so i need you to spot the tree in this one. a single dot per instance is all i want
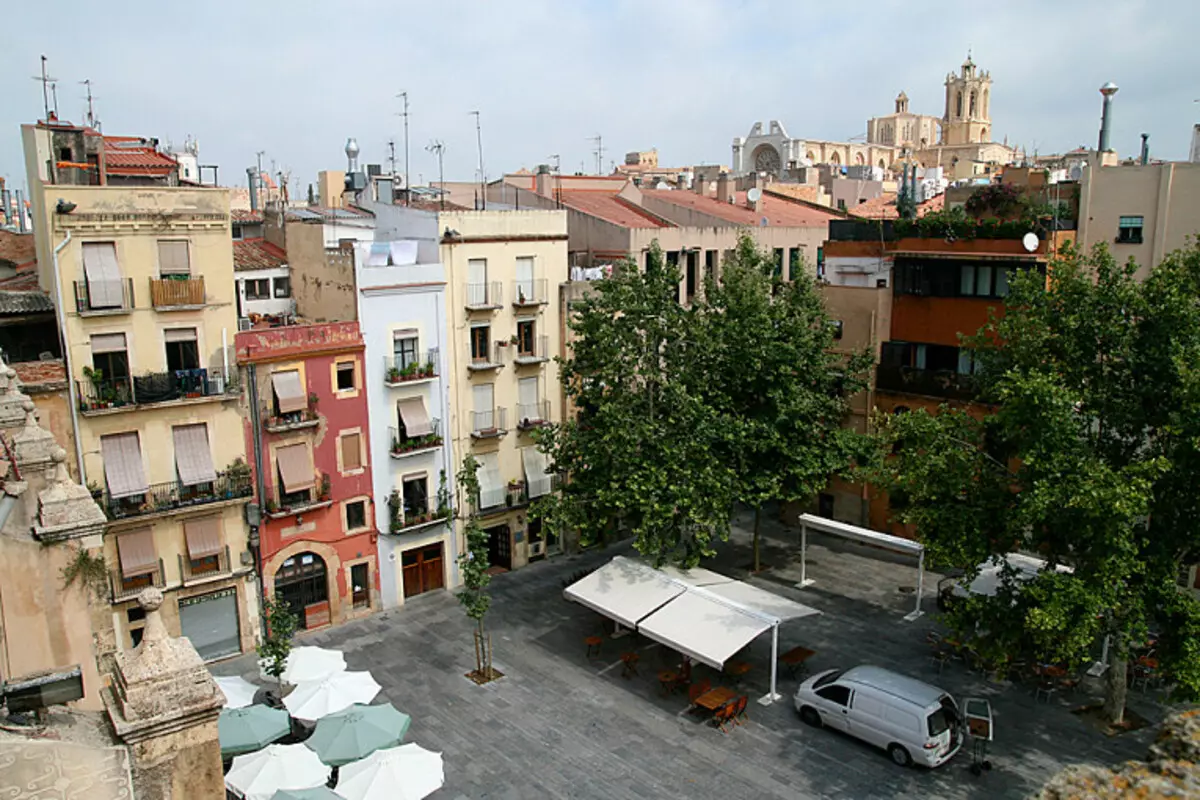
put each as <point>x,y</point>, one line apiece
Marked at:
<point>767,367</point>
<point>277,638</point>
<point>474,567</point>
<point>1088,458</point>
<point>640,455</point>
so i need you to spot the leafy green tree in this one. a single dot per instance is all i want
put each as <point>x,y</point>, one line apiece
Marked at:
<point>1088,458</point>
<point>766,366</point>
<point>640,455</point>
<point>277,638</point>
<point>474,567</point>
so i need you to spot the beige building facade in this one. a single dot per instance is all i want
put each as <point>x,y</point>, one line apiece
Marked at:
<point>142,277</point>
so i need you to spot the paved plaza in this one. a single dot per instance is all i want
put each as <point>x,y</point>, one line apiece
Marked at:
<point>561,725</point>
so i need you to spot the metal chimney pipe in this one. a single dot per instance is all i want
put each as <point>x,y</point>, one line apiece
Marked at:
<point>20,213</point>
<point>1145,149</point>
<point>252,178</point>
<point>1108,90</point>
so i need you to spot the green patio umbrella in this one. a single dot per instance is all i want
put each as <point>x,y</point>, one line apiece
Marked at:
<point>244,730</point>
<point>319,793</point>
<point>357,732</point>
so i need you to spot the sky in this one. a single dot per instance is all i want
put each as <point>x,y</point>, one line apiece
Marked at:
<point>684,76</point>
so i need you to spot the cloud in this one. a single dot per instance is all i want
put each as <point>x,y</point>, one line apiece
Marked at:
<point>685,76</point>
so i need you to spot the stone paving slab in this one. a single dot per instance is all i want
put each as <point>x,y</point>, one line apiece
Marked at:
<point>561,725</point>
<point>49,770</point>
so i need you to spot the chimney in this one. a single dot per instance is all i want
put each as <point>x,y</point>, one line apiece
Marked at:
<point>700,184</point>
<point>542,180</point>
<point>1108,90</point>
<point>252,179</point>
<point>20,213</point>
<point>351,156</point>
<point>681,182</point>
<point>1145,149</point>
<point>723,188</point>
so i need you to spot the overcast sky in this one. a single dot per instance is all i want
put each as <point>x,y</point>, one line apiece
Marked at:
<point>686,76</point>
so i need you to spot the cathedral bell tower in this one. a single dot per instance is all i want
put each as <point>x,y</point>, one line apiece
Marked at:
<point>968,117</point>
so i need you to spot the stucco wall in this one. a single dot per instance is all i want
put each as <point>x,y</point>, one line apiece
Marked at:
<point>322,281</point>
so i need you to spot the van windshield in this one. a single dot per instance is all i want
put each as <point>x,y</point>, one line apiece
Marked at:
<point>938,722</point>
<point>825,680</point>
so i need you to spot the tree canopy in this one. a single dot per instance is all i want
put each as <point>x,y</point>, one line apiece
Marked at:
<point>1087,456</point>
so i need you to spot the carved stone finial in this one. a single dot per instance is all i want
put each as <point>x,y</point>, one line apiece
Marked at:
<point>30,415</point>
<point>151,599</point>
<point>61,475</point>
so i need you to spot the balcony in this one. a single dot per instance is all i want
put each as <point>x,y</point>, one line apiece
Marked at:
<point>294,421</point>
<point>88,306</point>
<point>177,294</point>
<point>946,384</point>
<point>505,498</point>
<point>492,357</point>
<point>406,521</point>
<point>484,296</point>
<point>529,293</point>
<point>161,498</point>
<point>538,353</point>
<point>102,395</point>
<point>398,372</point>
<point>490,424</point>
<point>533,415</point>
<point>404,446</point>
<point>194,571</point>
<point>123,588</point>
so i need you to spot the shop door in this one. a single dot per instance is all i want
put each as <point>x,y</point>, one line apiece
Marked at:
<point>210,621</point>
<point>500,546</point>
<point>422,568</point>
<point>300,584</point>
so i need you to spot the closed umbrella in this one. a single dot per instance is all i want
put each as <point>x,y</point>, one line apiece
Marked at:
<point>407,772</point>
<point>238,691</point>
<point>244,730</point>
<point>312,664</point>
<point>312,700</point>
<point>319,793</point>
<point>258,776</point>
<point>357,732</point>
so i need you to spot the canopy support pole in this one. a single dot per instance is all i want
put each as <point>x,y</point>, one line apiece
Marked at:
<point>773,695</point>
<point>805,581</point>
<point>917,612</point>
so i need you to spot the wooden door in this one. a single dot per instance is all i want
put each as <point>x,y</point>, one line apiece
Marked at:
<point>422,570</point>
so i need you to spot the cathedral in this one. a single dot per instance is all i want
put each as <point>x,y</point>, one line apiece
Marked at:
<point>959,141</point>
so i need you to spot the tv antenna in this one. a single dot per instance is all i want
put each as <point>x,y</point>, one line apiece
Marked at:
<point>46,81</point>
<point>557,179</point>
<point>599,140</point>
<point>438,148</point>
<point>482,176</point>
<point>391,143</point>
<point>404,113</point>
<point>91,109</point>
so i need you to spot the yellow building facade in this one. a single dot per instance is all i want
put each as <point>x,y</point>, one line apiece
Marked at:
<point>141,273</point>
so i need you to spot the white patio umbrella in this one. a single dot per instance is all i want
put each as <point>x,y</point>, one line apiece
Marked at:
<point>238,691</point>
<point>312,664</point>
<point>407,772</point>
<point>257,776</point>
<point>311,700</point>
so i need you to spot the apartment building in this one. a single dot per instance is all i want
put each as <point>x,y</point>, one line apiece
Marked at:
<point>264,281</point>
<point>141,272</point>
<point>309,432</point>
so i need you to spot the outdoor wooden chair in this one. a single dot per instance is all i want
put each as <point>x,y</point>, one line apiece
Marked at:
<point>725,715</point>
<point>739,711</point>
<point>696,689</point>
<point>593,645</point>
<point>629,662</point>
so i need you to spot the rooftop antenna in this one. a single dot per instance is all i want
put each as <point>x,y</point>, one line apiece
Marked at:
<point>438,148</point>
<point>599,140</point>
<point>557,180</point>
<point>404,113</point>
<point>391,144</point>
<point>54,96</point>
<point>482,176</point>
<point>91,109</point>
<point>258,163</point>
<point>46,81</point>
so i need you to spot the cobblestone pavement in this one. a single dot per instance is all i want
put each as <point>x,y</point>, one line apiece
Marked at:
<point>561,725</point>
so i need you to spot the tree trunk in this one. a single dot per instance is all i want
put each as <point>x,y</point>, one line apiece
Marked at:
<point>1114,682</point>
<point>757,514</point>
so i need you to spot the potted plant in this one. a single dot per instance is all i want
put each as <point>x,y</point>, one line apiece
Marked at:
<point>323,493</point>
<point>272,506</point>
<point>429,373</point>
<point>393,374</point>
<point>312,401</point>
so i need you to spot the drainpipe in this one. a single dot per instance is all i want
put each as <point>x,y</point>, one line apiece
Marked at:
<point>72,395</point>
<point>259,489</point>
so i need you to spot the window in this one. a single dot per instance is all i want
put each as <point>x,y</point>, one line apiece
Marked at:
<point>690,277</point>
<point>966,285</point>
<point>1130,230</point>
<point>351,452</point>
<point>283,288</point>
<point>105,286</point>
<point>836,326</point>
<point>777,264</point>
<point>525,331</point>
<point>360,590</point>
<point>839,695</point>
<point>110,361</point>
<point>795,260</point>
<point>404,348</point>
<point>173,259</point>
<point>356,515</point>
<point>345,376</point>
<point>983,281</point>
<point>710,265</point>
<point>480,339</point>
<point>182,351</point>
<point>235,230</point>
<point>1003,274</point>
<point>258,288</point>
<point>841,204</point>
<point>416,496</point>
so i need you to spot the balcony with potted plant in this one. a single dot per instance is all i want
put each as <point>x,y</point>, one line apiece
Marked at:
<point>98,394</point>
<point>408,371</point>
<point>292,421</point>
<point>231,485</point>
<point>415,515</point>
<point>301,502</point>
<point>404,445</point>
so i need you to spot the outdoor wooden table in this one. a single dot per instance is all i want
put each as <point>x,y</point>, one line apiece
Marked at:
<point>715,698</point>
<point>737,669</point>
<point>668,680</point>
<point>794,659</point>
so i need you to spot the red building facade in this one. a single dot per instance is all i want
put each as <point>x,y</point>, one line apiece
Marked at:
<point>311,440</point>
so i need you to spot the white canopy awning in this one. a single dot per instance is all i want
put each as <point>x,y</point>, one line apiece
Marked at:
<point>696,576</point>
<point>625,590</point>
<point>754,598</point>
<point>703,627</point>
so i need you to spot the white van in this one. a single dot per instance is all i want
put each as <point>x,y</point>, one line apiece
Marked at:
<point>912,720</point>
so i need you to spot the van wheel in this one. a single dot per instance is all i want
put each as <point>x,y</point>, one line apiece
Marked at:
<point>810,716</point>
<point>899,755</point>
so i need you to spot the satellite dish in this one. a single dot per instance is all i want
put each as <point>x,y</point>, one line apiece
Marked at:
<point>754,195</point>
<point>661,185</point>
<point>1030,241</point>
<point>1076,172</point>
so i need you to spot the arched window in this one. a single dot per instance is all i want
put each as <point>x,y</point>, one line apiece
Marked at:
<point>882,164</point>
<point>985,103</point>
<point>858,159</point>
<point>958,104</point>
<point>835,158</point>
<point>812,159</point>
<point>974,98</point>
<point>983,134</point>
